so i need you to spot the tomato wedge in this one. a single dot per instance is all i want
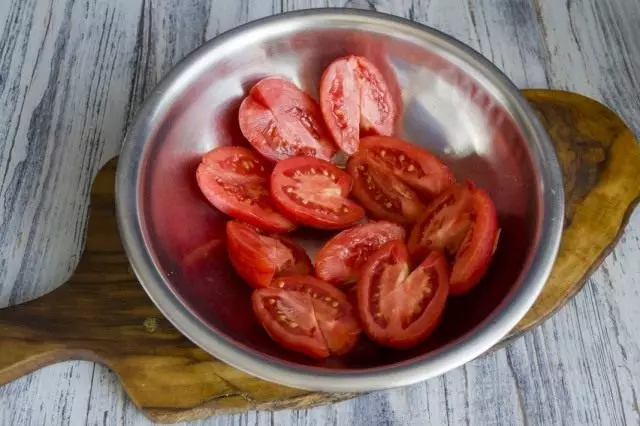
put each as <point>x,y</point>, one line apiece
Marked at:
<point>307,315</point>
<point>258,258</point>
<point>355,97</point>
<point>383,195</point>
<point>413,165</point>
<point>236,181</point>
<point>463,222</point>
<point>314,192</point>
<point>282,121</point>
<point>340,259</point>
<point>397,308</point>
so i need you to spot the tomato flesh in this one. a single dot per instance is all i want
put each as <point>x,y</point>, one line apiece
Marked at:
<point>413,165</point>
<point>282,121</point>
<point>340,259</point>
<point>462,222</point>
<point>383,195</point>
<point>307,315</point>
<point>235,180</point>
<point>258,258</point>
<point>355,97</point>
<point>314,192</point>
<point>399,308</point>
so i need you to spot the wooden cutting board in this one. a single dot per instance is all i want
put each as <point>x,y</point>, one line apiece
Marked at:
<point>102,313</point>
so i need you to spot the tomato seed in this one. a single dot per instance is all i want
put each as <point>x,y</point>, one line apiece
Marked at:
<point>334,304</point>
<point>410,168</point>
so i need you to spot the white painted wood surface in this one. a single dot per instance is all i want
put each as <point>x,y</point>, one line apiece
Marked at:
<point>72,74</point>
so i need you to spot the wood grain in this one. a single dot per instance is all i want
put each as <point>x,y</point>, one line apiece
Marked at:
<point>102,314</point>
<point>63,113</point>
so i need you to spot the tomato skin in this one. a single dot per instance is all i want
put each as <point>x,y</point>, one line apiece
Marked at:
<point>475,255</point>
<point>355,97</point>
<point>463,222</point>
<point>307,315</point>
<point>314,192</point>
<point>281,121</point>
<point>340,259</point>
<point>414,166</point>
<point>258,258</point>
<point>235,180</point>
<point>399,309</point>
<point>384,196</point>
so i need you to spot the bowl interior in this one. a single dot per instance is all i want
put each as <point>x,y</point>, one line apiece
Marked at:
<point>447,108</point>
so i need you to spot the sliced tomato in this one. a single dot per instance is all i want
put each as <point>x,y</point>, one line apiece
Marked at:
<point>314,192</point>
<point>355,97</point>
<point>462,222</point>
<point>399,308</point>
<point>340,259</point>
<point>383,195</point>
<point>282,121</point>
<point>307,315</point>
<point>236,181</point>
<point>258,258</point>
<point>413,165</point>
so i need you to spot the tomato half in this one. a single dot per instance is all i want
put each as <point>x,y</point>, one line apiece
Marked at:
<point>282,121</point>
<point>314,192</point>
<point>398,308</point>
<point>383,195</point>
<point>340,259</point>
<point>413,165</point>
<point>355,97</point>
<point>307,315</point>
<point>236,181</point>
<point>258,258</point>
<point>462,222</point>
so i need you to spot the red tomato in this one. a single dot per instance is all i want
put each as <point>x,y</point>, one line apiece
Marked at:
<point>354,97</point>
<point>236,181</point>
<point>307,315</point>
<point>314,192</point>
<point>463,222</point>
<point>340,259</point>
<point>397,308</point>
<point>258,259</point>
<point>282,121</point>
<point>383,195</point>
<point>411,164</point>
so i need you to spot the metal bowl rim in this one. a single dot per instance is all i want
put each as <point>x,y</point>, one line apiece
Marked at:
<point>473,344</point>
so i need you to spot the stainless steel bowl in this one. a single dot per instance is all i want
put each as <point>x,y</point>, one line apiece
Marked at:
<point>455,103</point>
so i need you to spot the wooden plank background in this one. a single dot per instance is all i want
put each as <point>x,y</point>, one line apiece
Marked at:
<point>72,75</point>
